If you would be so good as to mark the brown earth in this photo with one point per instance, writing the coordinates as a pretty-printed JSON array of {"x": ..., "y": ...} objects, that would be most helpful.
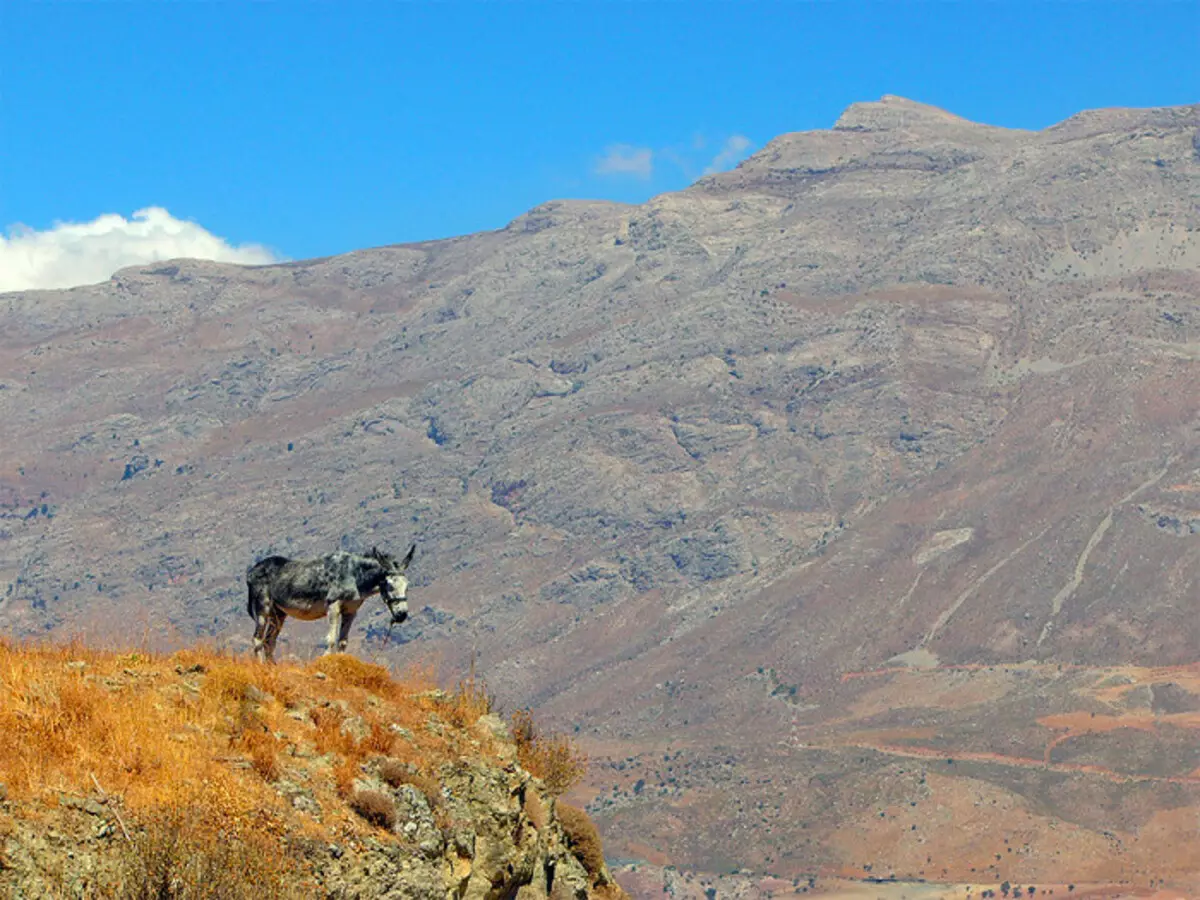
[{"x": 877, "y": 451}]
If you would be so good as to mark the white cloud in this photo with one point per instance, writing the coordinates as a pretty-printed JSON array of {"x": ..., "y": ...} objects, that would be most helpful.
[
  {"x": 625, "y": 159},
  {"x": 75, "y": 253},
  {"x": 733, "y": 150}
]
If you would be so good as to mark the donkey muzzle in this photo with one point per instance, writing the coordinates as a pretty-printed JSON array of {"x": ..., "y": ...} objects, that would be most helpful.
[{"x": 398, "y": 607}]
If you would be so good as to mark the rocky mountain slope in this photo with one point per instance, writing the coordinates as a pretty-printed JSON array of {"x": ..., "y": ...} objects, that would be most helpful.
[
  {"x": 134, "y": 775},
  {"x": 912, "y": 392}
]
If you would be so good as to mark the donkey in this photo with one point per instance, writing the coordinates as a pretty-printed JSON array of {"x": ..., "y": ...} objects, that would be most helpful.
[{"x": 335, "y": 585}]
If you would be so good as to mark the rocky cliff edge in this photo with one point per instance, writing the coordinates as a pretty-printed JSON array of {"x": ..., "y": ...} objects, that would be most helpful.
[{"x": 200, "y": 775}]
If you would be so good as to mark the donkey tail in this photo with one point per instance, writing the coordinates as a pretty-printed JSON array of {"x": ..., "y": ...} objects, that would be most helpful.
[{"x": 255, "y": 600}]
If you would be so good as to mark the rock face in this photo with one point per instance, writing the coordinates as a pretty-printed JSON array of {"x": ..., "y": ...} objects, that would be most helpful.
[
  {"x": 495, "y": 850},
  {"x": 909, "y": 391}
]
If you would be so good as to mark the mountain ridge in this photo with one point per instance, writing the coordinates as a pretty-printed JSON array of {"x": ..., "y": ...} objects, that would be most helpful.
[{"x": 676, "y": 469}]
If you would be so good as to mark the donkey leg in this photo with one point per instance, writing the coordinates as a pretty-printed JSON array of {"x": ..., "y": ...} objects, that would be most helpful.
[
  {"x": 274, "y": 626},
  {"x": 260, "y": 610},
  {"x": 335, "y": 627},
  {"x": 344, "y": 631}
]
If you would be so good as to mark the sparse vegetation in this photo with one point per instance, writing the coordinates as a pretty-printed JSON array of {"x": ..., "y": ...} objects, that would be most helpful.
[
  {"x": 183, "y": 855},
  {"x": 198, "y": 766},
  {"x": 72, "y": 717},
  {"x": 396, "y": 773},
  {"x": 378, "y": 809},
  {"x": 582, "y": 836},
  {"x": 552, "y": 757},
  {"x": 470, "y": 699}
]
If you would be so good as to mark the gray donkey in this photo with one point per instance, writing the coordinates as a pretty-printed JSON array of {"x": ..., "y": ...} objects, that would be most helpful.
[{"x": 335, "y": 585}]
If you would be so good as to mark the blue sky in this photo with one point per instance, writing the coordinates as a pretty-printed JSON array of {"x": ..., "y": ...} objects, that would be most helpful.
[{"x": 317, "y": 128}]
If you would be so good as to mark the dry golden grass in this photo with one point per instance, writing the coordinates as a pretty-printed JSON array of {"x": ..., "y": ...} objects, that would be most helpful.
[
  {"x": 380, "y": 739},
  {"x": 353, "y": 672},
  {"x": 554, "y": 758},
  {"x": 344, "y": 775},
  {"x": 141, "y": 726},
  {"x": 184, "y": 749},
  {"x": 469, "y": 700},
  {"x": 263, "y": 750},
  {"x": 179, "y": 855}
]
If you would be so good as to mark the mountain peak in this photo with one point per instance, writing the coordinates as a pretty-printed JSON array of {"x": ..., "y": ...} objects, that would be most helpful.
[{"x": 892, "y": 112}]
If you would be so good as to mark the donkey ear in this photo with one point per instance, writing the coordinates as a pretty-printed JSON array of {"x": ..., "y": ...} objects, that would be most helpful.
[{"x": 407, "y": 559}]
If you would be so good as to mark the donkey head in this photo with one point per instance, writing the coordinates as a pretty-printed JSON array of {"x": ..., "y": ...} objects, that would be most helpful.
[{"x": 394, "y": 588}]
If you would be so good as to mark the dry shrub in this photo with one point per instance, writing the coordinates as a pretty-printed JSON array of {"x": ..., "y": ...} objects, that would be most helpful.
[
  {"x": 330, "y": 738},
  {"x": 582, "y": 838},
  {"x": 380, "y": 739},
  {"x": 344, "y": 774},
  {"x": 181, "y": 856},
  {"x": 263, "y": 750},
  {"x": 286, "y": 692},
  {"x": 225, "y": 683},
  {"x": 469, "y": 700},
  {"x": 378, "y": 809},
  {"x": 348, "y": 670},
  {"x": 554, "y": 758},
  {"x": 396, "y": 773}
]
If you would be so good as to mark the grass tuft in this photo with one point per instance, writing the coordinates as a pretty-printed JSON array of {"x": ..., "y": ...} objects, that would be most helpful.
[{"x": 469, "y": 700}]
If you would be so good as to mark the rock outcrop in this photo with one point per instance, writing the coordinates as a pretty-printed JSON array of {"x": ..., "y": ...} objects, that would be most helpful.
[{"x": 333, "y": 781}]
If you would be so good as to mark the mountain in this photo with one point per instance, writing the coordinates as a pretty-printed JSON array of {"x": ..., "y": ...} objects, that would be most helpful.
[{"x": 875, "y": 452}]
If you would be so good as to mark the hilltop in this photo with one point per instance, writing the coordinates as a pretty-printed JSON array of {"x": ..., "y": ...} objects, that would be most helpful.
[
  {"x": 196, "y": 774},
  {"x": 902, "y": 396}
]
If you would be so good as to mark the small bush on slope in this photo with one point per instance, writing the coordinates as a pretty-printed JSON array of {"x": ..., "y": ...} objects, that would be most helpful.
[
  {"x": 395, "y": 773},
  {"x": 179, "y": 856},
  {"x": 582, "y": 836},
  {"x": 378, "y": 809},
  {"x": 584, "y": 841},
  {"x": 554, "y": 758}
]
